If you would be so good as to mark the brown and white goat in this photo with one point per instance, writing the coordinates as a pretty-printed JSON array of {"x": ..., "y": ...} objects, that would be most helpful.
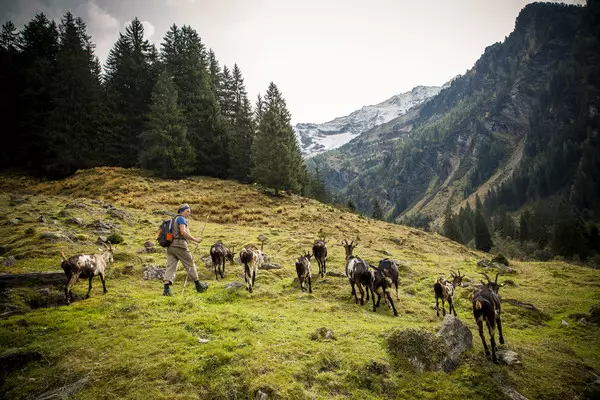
[
  {"x": 86, "y": 266},
  {"x": 357, "y": 271},
  {"x": 382, "y": 279},
  {"x": 486, "y": 307},
  {"x": 391, "y": 270},
  {"x": 252, "y": 258},
  {"x": 304, "y": 272},
  {"x": 219, "y": 254},
  {"x": 445, "y": 290},
  {"x": 320, "y": 254}
]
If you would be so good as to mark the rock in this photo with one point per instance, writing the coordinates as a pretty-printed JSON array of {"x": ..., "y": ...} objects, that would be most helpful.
[
  {"x": 13, "y": 222},
  {"x": 41, "y": 219},
  {"x": 564, "y": 324},
  {"x": 163, "y": 212},
  {"x": 268, "y": 266},
  {"x": 75, "y": 221},
  {"x": 128, "y": 270},
  {"x": 417, "y": 349},
  {"x": 508, "y": 357},
  {"x": 595, "y": 314},
  {"x": 54, "y": 236},
  {"x": 483, "y": 263},
  {"x": 15, "y": 198},
  {"x": 148, "y": 244},
  {"x": 261, "y": 395},
  {"x": 101, "y": 239},
  {"x": 234, "y": 285},
  {"x": 99, "y": 202},
  {"x": 207, "y": 261},
  {"x": 322, "y": 334},
  {"x": 154, "y": 272},
  {"x": 458, "y": 338},
  {"x": 9, "y": 261},
  {"x": 64, "y": 214},
  {"x": 203, "y": 340},
  {"x": 75, "y": 205},
  {"x": 120, "y": 214},
  {"x": 336, "y": 274}
]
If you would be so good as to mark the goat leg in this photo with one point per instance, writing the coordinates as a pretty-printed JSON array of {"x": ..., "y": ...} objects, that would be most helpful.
[
  {"x": 222, "y": 270},
  {"x": 324, "y": 266},
  {"x": 362, "y": 294},
  {"x": 309, "y": 285},
  {"x": 492, "y": 341},
  {"x": 480, "y": 328},
  {"x": 397, "y": 295},
  {"x": 499, "y": 323},
  {"x": 389, "y": 297},
  {"x": 443, "y": 307},
  {"x": 374, "y": 305},
  {"x": 354, "y": 292},
  {"x": 437, "y": 306},
  {"x": 87, "y": 296},
  {"x": 103, "y": 282},
  {"x": 451, "y": 308}
]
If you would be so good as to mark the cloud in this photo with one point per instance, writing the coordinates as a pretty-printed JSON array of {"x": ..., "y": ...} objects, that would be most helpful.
[{"x": 148, "y": 29}]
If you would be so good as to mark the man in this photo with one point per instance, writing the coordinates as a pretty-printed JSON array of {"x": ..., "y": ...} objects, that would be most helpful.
[{"x": 178, "y": 251}]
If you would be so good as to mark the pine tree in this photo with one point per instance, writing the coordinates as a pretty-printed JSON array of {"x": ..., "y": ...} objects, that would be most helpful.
[
  {"x": 9, "y": 95},
  {"x": 524, "y": 226},
  {"x": 242, "y": 130},
  {"x": 450, "y": 227},
  {"x": 377, "y": 211},
  {"x": 483, "y": 238},
  {"x": 184, "y": 58},
  {"x": 165, "y": 147},
  {"x": 130, "y": 77},
  {"x": 278, "y": 163},
  {"x": 72, "y": 122},
  {"x": 38, "y": 46}
]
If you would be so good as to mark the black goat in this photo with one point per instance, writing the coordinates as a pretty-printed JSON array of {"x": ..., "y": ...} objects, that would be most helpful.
[
  {"x": 486, "y": 307},
  {"x": 219, "y": 255},
  {"x": 304, "y": 272},
  {"x": 382, "y": 279},
  {"x": 445, "y": 290},
  {"x": 391, "y": 270},
  {"x": 320, "y": 254},
  {"x": 357, "y": 271}
]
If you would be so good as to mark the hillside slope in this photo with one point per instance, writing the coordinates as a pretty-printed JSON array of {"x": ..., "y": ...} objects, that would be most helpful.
[
  {"x": 227, "y": 343},
  {"x": 538, "y": 86}
]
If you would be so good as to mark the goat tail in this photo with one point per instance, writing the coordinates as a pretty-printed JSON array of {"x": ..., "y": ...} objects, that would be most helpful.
[
  {"x": 437, "y": 288},
  {"x": 63, "y": 255},
  {"x": 478, "y": 305}
]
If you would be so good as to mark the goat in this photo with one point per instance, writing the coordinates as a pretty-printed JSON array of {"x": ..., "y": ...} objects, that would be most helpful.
[
  {"x": 303, "y": 271},
  {"x": 357, "y": 271},
  {"x": 320, "y": 254},
  {"x": 86, "y": 266},
  {"x": 445, "y": 290},
  {"x": 486, "y": 306},
  {"x": 219, "y": 255},
  {"x": 382, "y": 279},
  {"x": 252, "y": 258},
  {"x": 391, "y": 269}
]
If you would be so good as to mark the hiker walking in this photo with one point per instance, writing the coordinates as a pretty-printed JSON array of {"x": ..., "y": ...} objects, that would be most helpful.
[{"x": 178, "y": 251}]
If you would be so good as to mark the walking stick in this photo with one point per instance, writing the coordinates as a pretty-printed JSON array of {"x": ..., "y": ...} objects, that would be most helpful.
[{"x": 194, "y": 252}]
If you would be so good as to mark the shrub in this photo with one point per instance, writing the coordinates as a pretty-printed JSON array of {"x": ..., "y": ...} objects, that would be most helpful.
[
  {"x": 30, "y": 231},
  {"x": 115, "y": 238},
  {"x": 501, "y": 259}
]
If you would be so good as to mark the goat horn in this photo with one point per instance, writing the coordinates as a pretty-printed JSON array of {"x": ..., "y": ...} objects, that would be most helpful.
[
  {"x": 496, "y": 280},
  {"x": 486, "y": 276}
]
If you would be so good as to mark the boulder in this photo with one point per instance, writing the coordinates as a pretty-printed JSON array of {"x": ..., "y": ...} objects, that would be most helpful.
[
  {"x": 457, "y": 337},
  {"x": 154, "y": 272},
  {"x": 322, "y": 334},
  {"x": 417, "y": 349},
  {"x": 508, "y": 357},
  {"x": 9, "y": 261},
  {"x": 234, "y": 285}
]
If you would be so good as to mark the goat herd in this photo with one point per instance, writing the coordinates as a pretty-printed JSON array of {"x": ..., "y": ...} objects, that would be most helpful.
[{"x": 486, "y": 302}]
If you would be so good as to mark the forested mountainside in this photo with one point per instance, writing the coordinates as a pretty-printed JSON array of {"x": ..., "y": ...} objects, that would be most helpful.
[{"x": 519, "y": 130}]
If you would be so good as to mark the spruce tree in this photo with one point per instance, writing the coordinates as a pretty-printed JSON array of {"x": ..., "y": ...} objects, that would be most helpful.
[
  {"x": 130, "y": 77},
  {"x": 242, "y": 130},
  {"x": 165, "y": 147},
  {"x": 9, "y": 95},
  {"x": 483, "y": 238},
  {"x": 278, "y": 163},
  {"x": 450, "y": 227},
  {"x": 184, "y": 58},
  {"x": 377, "y": 211}
]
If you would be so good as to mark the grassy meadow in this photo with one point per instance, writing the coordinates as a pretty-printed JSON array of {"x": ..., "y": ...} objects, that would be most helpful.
[{"x": 133, "y": 343}]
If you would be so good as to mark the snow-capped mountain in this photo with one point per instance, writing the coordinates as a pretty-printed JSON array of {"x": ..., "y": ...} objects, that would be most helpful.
[{"x": 317, "y": 138}]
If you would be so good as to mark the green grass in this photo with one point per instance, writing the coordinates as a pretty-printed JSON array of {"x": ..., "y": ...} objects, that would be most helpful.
[{"x": 134, "y": 343}]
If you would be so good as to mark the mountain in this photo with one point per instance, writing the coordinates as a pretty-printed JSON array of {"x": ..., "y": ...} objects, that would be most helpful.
[
  {"x": 519, "y": 130},
  {"x": 317, "y": 138}
]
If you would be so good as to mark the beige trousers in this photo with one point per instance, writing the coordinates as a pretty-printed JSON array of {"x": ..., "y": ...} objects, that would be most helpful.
[{"x": 175, "y": 254}]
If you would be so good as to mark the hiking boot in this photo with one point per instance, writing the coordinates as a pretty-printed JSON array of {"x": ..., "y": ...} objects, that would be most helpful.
[
  {"x": 201, "y": 287},
  {"x": 168, "y": 291}
]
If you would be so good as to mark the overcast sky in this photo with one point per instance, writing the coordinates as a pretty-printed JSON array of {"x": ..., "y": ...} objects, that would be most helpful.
[{"x": 327, "y": 57}]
